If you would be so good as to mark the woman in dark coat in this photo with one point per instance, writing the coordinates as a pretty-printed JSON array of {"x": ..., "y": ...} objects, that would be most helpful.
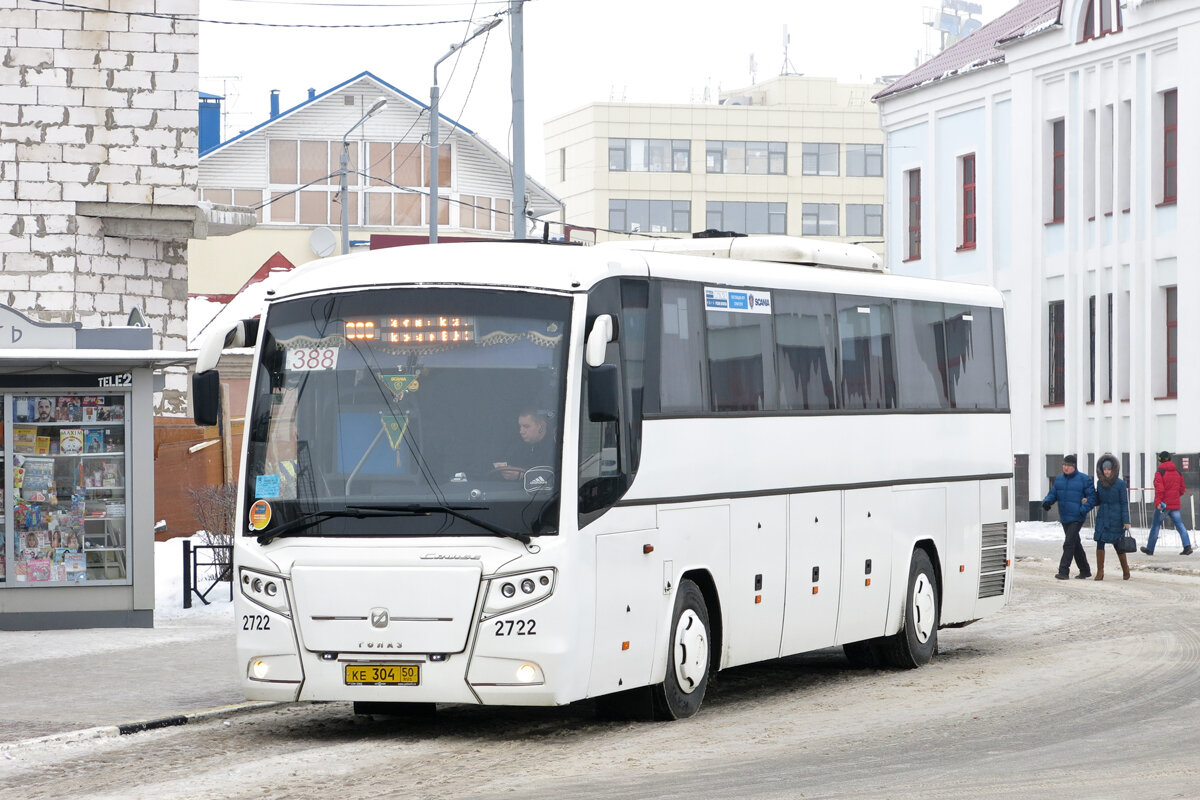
[{"x": 1112, "y": 511}]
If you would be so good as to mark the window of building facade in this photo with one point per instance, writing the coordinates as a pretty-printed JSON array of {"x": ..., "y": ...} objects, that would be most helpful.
[
  {"x": 820, "y": 158},
  {"x": 1100, "y": 18},
  {"x": 1092, "y": 349},
  {"x": 864, "y": 160},
  {"x": 1170, "y": 145},
  {"x": 650, "y": 216},
  {"x": 1058, "y": 171},
  {"x": 745, "y": 158},
  {"x": 1056, "y": 354},
  {"x": 305, "y": 181},
  {"x": 966, "y": 182},
  {"x": 819, "y": 219},
  {"x": 746, "y": 217},
  {"x": 1109, "y": 333},
  {"x": 1172, "y": 301},
  {"x": 649, "y": 155},
  {"x": 912, "y": 215},
  {"x": 864, "y": 219}
]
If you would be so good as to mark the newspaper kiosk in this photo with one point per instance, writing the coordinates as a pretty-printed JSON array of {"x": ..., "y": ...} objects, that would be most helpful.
[{"x": 77, "y": 474}]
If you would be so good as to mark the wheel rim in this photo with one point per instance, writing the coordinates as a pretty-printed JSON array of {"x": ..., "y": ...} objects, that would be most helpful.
[
  {"x": 691, "y": 651},
  {"x": 924, "y": 607}
]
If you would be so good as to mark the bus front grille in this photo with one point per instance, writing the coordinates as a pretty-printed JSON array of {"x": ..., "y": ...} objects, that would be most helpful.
[{"x": 993, "y": 559}]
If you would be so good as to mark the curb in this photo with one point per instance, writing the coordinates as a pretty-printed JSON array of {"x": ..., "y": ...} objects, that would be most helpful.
[{"x": 106, "y": 731}]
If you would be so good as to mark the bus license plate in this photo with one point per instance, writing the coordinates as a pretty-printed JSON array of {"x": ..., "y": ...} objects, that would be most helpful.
[{"x": 383, "y": 674}]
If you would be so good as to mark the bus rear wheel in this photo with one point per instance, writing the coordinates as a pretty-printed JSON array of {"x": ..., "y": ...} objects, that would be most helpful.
[
  {"x": 688, "y": 657},
  {"x": 916, "y": 641}
]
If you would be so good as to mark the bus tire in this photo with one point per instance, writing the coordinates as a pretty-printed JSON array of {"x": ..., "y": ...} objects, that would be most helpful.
[
  {"x": 916, "y": 641},
  {"x": 862, "y": 655},
  {"x": 689, "y": 657}
]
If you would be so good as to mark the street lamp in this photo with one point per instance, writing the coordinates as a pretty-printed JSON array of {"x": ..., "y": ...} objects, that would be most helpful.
[
  {"x": 434, "y": 162},
  {"x": 380, "y": 103}
]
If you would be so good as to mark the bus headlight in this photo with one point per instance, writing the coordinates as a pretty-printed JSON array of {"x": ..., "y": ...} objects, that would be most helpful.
[
  {"x": 264, "y": 589},
  {"x": 503, "y": 596}
]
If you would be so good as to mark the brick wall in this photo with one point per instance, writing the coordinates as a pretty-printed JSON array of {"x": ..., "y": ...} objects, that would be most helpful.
[{"x": 98, "y": 107}]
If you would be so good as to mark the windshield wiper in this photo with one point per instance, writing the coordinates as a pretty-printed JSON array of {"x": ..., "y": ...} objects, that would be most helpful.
[
  {"x": 312, "y": 518},
  {"x": 423, "y": 509}
]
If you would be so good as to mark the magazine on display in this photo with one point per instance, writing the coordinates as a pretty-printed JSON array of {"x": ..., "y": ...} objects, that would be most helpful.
[{"x": 70, "y": 441}]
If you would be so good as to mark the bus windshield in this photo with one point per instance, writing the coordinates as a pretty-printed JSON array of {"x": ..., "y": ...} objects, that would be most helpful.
[{"x": 408, "y": 412}]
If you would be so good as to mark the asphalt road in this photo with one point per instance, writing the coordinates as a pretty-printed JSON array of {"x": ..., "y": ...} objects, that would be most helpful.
[{"x": 1079, "y": 689}]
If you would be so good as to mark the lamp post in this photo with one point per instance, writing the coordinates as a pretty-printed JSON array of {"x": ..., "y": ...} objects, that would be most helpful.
[
  {"x": 380, "y": 103},
  {"x": 435, "y": 160}
]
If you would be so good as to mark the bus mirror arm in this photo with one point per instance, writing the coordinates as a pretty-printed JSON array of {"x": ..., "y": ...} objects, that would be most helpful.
[
  {"x": 243, "y": 333},
  {"x": 601, "y": 334}
]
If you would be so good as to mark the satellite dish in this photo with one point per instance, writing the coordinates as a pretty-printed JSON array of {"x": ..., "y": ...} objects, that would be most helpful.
[{"x": 323, "y": 242}]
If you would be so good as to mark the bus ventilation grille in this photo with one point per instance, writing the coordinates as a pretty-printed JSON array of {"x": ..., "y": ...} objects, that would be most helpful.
[{"x": 993, "y": 553}]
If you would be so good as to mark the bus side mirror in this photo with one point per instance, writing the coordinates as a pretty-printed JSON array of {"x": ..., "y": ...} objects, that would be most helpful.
[
  {"x": 601, "y": 334},
  {"x": 603, "y": 393},
  {"x": 206, "y": 397}
]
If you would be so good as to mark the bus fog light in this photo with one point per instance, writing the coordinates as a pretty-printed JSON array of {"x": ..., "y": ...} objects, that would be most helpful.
[
  {"x": 527, "y": 673},
  {"x": 260, "y": 669}
]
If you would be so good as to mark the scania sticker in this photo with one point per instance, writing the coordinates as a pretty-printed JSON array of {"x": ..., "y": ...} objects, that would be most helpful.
[
  {"x": 260, "y": 515},
  {"x": 739, "y": 301}
]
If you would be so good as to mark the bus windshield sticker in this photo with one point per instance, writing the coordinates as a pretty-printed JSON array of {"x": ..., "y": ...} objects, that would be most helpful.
[
  {"x": 260, "y": 515},
  {"x": 311, "y": 359},
  {"x": 266, "y": 486},
  {"x": 401, "y": 384},
  {"x": 395, "y": 425},
  {"x": 740, "y": 301}
]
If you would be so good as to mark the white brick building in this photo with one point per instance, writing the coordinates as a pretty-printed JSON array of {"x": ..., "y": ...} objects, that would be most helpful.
[{"x": 98, "y": 139}]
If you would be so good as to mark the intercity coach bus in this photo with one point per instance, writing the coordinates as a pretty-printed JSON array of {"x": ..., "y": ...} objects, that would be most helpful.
[{"x": 745, "y": 449}]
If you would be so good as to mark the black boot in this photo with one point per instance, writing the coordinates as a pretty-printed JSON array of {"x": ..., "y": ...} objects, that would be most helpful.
[
  {"x": 1147, "y": 552},
  {"x": 1187, "y": 551}
]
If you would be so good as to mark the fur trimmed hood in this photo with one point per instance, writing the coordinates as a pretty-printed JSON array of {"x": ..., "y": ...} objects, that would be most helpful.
[{"x": 1116, "y": 465}]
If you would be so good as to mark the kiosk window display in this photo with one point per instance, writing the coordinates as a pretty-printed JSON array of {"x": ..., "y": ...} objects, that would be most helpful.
[{"x": 65, "y": 470}]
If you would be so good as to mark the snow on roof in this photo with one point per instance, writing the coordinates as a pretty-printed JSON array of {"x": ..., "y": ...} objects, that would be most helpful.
[{"x": 981, "y": 48}]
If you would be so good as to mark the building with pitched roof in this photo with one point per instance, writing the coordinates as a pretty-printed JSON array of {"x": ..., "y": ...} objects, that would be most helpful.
[
  {"x": 288, "y": 169},
  {"x": 1042, "y": 154}
]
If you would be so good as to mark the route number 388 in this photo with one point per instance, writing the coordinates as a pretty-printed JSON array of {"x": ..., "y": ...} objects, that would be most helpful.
[{"x": 311, "y": 359}]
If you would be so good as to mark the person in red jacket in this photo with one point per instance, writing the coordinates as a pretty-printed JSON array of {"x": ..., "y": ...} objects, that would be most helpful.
[{"x": 1168, "y": 486}]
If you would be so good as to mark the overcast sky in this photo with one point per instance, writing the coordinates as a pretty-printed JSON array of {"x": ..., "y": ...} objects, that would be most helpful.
[{"x": 576, "y": 52}]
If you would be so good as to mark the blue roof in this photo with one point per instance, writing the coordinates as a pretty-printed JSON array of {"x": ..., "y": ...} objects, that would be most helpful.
[
  {"x": 315, "y": 98},
  {"x": 207, "y": 96}
]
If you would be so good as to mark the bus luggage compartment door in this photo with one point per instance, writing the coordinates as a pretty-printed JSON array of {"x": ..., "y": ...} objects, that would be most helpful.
[{"x": 866, "y": 564}]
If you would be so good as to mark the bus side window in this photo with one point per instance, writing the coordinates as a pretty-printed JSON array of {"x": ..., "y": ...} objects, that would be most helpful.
[{"x": 600, "y": 479}]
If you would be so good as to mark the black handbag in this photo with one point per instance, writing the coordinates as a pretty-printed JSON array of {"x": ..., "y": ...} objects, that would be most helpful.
[{"x": 1126, "y": 544}]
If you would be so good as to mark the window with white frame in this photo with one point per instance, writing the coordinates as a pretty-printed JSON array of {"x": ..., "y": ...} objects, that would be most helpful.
[
  {"x": 864, "y": 219},
  {"x": 819, "y": 219},
  {"x": 820, "y": 158},
  {"x": 864, "y": 160}
]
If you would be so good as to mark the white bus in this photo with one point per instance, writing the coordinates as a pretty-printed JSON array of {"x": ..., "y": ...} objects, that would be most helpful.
[{"x": 741, "y": 458}]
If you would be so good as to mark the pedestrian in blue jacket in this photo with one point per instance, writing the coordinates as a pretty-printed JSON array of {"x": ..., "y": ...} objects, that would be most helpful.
[
  {"x": 1112, "y": 512},
  {"x": 1075, "y": 497}
]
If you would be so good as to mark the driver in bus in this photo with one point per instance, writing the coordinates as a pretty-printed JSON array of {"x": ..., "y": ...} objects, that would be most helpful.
[{"x": 536, "y": 448}]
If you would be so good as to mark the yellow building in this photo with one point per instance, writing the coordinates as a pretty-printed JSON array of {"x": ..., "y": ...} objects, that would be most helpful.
[{"x": 794, "y": 155}]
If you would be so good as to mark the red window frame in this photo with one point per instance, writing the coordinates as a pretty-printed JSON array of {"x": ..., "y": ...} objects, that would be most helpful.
[
  {"x": 968, "y": 202},
  {"x": 1170, "y": 146},
  {"x": 1172, "y": 303},
  {"x": 1059, "y": 172},
  {"x": 1110, "y": 11},
  {"x": 914, "y": 214}
]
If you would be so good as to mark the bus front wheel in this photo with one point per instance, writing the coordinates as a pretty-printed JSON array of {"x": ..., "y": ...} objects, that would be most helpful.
[
  {"x": 916, "y": 641},
  {"x": 688, "y": 657}
]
